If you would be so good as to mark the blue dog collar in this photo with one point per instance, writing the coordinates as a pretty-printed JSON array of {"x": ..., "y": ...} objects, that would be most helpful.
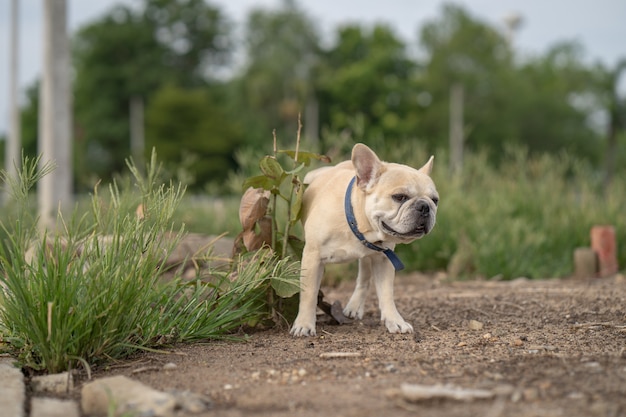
[{"x": 393, "y": 258}]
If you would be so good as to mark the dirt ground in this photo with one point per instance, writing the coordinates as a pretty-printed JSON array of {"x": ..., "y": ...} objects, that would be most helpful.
[{"x": 546, "y": 348}]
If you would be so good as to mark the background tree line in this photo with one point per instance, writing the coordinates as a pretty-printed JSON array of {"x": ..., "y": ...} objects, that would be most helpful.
[{"x": 207, "y": 96}]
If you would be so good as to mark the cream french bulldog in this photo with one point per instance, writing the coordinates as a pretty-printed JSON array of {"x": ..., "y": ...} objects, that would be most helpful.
[{"x": 360, "y": 209}]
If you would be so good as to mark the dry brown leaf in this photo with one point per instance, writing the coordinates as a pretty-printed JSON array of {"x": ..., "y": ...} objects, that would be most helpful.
[
  {"x": 253, "y": 240},
  {"x": 253, "y": 207}
]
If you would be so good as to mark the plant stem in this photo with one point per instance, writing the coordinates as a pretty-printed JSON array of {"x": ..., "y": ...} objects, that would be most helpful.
[
  {"x": 290, "y": 199},
  {"x": 274, "y": 199}
]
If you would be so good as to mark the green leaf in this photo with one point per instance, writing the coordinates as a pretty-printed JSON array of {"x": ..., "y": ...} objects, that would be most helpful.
[
  {"x": 296, "y": 169},
  {"x": 297, "y": 246},
  {"x": 296, "y": 208},
  {"x": 306, "y": 157},
  {"x": 271, "y": 168},
  {"x": 284, "y": 287},
  {"x": 259, "y": 181}
]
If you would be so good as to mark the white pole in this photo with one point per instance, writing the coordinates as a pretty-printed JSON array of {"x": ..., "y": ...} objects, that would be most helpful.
[
  {"x": 55, "y": 136},
  {"x": 12, "y": 157}
]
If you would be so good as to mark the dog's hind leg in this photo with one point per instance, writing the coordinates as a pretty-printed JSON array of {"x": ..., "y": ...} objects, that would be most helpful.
[{"x": 356, "y": 306}]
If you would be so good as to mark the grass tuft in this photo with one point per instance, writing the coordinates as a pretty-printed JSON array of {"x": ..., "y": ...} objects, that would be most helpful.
[{"x": 91, "y": 291}]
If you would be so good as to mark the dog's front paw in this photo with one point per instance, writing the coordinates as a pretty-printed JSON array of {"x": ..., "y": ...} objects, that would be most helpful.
[
  {"x": 354, "y": 313},
  {"x": 398, "y": 326},
  {"x": 300, "y": 329}
]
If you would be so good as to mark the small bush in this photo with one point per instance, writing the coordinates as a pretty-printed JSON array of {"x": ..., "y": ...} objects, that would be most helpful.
[
  {"x": 522, "y": 219},
  {"x": 92, "y": 292}
]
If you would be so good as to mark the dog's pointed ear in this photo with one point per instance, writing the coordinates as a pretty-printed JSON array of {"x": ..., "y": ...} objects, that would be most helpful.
[
  {"x": 428, "y": 166},
  {"x": 367, "y": 165}
]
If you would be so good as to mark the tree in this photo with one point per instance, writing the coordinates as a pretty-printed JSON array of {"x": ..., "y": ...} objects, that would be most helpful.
[
  {"x": 196, "y": 37},
  {"x": 191, "y": 134},
  {"x": 536, "y": 103},
  {"x": 367, "y": 73},
  {"x": 115, "y": 58},
  {"x": 282, "y": 48},
  {"x": 132, "y": 53},
  {"x": 460, "y": 50},
  {"x": 30, "y": 120},
  {"x": 551, "y": 104},
  {"x": 615, "y": 104}
]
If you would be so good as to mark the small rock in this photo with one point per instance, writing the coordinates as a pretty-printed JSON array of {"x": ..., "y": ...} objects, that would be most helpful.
[
  {"x": 416, "y": 392},
  {"x": 129, "y": 396},
  {"x": 54, "y": 383},
  {"x": 332, "y": 355},
  {"x": 504, "y": 390},
  {"x": 461, "y": 344},
  {"x": 487, "y": 336},
  {"x": 52, "y": 407},
  {"x": 11, "y": 389},
  {"x": 190, "y": 402},
  {"x": 530, "y": 394},
  {"x": 169, "y": 366},
  {"x": 575, "y": 395},
  {"x": 475, "y": 325},
  {"x": 518, "y": 342},
  {"x": 593, "y": 365}
]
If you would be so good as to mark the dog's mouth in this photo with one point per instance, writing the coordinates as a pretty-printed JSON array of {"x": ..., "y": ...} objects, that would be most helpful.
[{"x": 418, "y": 231}]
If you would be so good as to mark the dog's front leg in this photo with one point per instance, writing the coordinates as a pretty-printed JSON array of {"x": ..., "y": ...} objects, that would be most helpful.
[
  {"x": 310, "y": 280},
  {"x": 384, "y": 275},
  {"x": 356, "y": 306}
]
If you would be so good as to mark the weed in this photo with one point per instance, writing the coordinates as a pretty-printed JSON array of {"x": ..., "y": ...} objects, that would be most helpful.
[{"x": 91, "y": 291}]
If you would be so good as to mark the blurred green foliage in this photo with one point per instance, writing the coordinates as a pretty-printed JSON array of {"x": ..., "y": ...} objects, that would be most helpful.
[
  {"x": 212, "y": 104},
  {"x": 203, "y": 106},
  {"x": 525, "y": 218}
]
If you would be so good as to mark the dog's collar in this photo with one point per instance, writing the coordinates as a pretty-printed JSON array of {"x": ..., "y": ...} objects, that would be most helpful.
[{"x": 393, "y": 258}]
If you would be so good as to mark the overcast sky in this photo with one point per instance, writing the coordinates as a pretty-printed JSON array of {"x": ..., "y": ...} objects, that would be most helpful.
[{"x": 600, "y": 25}]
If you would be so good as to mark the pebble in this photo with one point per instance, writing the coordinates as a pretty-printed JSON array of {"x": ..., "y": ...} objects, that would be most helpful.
[
  {"x": 531, "y": 394},
  {"x": 332, "y": 355},
  {"x": 129, "y": 395},
  {"x": 504, "y": 390},
  {"x": 169, "y": 366},
  {"x": 52, "y": 407},
  {"x": 191, "y": 402},
  {"x": 12, "y": 392},
  {"x": 475, "y": 325},
  {"x": 54, "y": 383}
]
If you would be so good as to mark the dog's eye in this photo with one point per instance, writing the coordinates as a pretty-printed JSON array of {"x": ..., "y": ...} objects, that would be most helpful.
[
  {"x": 436, "y": 201},
  {"x": 400, "y": 198}
]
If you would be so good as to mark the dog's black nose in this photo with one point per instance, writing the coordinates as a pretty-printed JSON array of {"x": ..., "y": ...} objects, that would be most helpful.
[{"x": 423, "y": 208}]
